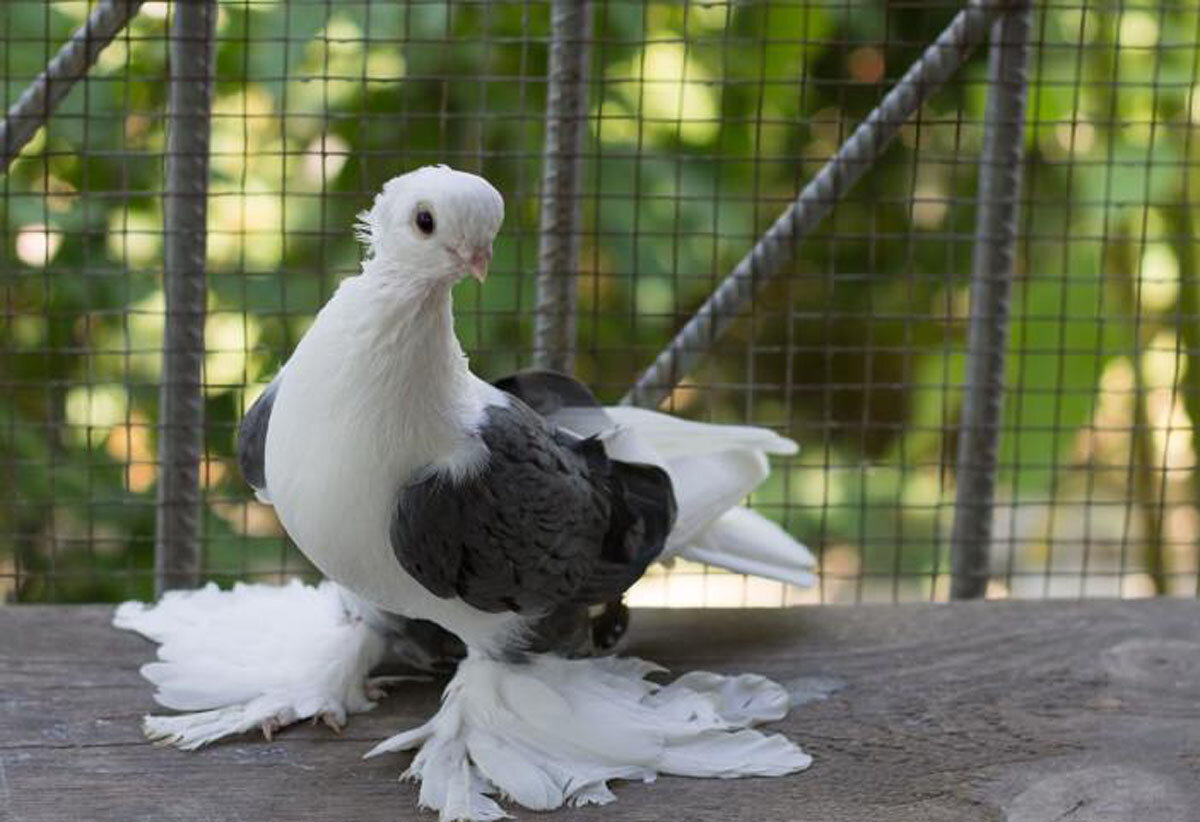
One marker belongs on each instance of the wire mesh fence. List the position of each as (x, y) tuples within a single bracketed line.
[(703, 121)]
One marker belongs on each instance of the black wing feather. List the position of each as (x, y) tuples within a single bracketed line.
[(252, 438), (563, 401), (549, 520), (547, 391)]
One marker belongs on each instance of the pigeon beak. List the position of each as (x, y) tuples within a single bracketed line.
[(478, 262)]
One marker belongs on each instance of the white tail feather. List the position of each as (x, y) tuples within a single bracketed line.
[(712, 468), (674, 437), (553, 731), (708, 485), (745, 541), (254, 656)]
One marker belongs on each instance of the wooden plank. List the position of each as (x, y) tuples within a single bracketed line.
[(973, 711)]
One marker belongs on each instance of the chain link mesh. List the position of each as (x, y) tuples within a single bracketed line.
[(704, 120)]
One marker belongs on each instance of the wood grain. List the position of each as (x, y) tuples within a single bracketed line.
[(1022, 712)]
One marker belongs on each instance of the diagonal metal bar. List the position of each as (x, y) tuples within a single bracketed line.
[(558, 248), (940, 61), (181, 397), (35, 105), (991, 287)]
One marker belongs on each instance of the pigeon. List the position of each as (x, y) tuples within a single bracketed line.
[(492, 523)]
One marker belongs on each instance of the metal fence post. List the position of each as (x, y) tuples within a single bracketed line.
[(991, 288), (566, 124), (181, 396)]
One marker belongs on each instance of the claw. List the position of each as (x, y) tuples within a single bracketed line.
[(331, 720), (269, 727)]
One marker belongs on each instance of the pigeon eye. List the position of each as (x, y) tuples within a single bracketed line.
[(424, 220)]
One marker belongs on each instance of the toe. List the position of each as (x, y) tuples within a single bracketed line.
[(332, 720)]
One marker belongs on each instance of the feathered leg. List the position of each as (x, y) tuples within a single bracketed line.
[(551, 731), (256, 656)]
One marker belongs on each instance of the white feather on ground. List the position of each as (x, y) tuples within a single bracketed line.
[(256, 656), (553, 731), (544, 733)]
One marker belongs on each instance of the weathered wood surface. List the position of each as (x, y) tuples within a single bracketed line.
[(1020, 712)]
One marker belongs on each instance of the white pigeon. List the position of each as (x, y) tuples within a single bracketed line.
[(499, 512)]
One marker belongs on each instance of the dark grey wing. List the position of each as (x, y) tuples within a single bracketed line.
[(565, 401), (546, 391), (547, 521), (252, 438), (562, 400)]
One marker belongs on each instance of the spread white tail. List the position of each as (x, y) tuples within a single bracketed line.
[(553, 731)]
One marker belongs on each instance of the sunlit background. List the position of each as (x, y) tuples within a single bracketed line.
[(705, 119)]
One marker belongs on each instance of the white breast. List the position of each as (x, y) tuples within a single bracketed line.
[(352, 422)]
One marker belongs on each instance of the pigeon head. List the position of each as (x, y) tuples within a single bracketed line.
[(434, 223)]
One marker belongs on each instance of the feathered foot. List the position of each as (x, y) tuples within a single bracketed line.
[(256, 657), (553, 731)]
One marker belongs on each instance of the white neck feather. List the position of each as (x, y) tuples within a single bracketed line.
[(407, 350), (381, 363)]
